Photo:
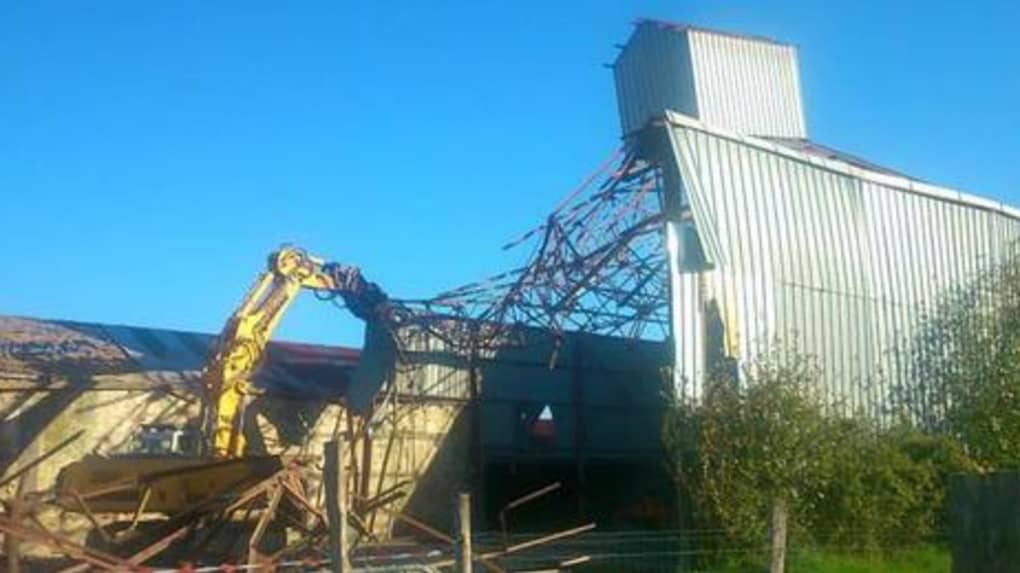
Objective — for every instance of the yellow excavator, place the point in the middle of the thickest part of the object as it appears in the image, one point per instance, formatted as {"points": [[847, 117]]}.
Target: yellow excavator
{"points": [[243, 342], [160, 476]]}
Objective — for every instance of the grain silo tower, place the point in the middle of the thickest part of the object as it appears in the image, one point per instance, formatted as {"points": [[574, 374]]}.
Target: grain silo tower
{"points": [[746, 84]]}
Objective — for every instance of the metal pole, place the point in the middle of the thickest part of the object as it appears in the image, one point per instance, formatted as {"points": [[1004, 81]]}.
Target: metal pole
{"points": [[336, 505], [464, 533]]}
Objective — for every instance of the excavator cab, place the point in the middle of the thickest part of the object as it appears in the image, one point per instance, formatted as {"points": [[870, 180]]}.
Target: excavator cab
{"points": [[166, 440]]}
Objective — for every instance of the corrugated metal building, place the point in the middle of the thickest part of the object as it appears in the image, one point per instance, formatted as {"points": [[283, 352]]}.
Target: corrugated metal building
{"points": [[774, 236], [59, 377]]}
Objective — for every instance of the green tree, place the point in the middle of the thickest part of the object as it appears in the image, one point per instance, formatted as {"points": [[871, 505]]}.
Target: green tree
{"points": [[964, 367], [846, 480], [749, 444]]}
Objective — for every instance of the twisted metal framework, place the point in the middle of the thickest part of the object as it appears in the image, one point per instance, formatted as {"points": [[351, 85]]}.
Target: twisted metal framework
{"points": [[598, 263]]}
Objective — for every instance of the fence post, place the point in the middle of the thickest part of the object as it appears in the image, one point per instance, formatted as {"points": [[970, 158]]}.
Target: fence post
{"points": [[777, 536], [12, 545], [463, 547], [336, 504]]}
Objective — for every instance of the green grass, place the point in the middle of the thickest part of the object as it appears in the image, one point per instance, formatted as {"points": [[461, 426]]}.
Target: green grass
{"points": [[924, 559]]}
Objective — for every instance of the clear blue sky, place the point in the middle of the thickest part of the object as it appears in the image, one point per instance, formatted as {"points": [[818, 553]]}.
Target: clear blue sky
{"points": [[152, 153]]}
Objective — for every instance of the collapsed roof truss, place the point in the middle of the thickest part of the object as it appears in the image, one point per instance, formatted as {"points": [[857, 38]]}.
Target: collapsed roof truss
{"points": [[597, 262]]}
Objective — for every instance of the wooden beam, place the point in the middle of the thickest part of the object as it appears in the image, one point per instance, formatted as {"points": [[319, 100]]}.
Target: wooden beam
{"points": [[777, 537], [336, 504], [254, 558], [12, 544], [463, 546]]}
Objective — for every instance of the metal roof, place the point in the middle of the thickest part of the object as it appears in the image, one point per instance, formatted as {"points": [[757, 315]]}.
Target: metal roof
{"points": [[819, 150], [133, 357], [685, 26], [841, 165]]}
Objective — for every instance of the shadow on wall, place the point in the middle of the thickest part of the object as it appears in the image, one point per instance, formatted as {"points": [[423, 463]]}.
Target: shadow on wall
{"points": [[446, 474], [65, 358], [291, 422], [20, 427], [110, 379]]}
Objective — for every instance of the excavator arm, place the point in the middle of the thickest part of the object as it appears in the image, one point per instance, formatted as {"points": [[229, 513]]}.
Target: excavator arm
{"points": [[241, 346], [169, 483]]}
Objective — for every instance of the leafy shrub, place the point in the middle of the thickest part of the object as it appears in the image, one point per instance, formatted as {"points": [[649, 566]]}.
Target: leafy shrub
{"points": [[846, 481], [744, 446], [964, 362], [883, 487]]}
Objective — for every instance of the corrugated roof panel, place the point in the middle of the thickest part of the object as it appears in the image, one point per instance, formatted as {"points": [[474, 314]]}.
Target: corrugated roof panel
{"points": [[817, 149], [77, 351]]}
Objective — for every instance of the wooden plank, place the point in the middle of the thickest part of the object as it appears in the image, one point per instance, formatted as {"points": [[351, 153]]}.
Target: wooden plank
{"points": [[463, 547], [12, 544], [777, 537], [254, 559], [336, 504]]}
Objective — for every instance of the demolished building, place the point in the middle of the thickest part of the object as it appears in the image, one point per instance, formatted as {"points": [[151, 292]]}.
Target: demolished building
{"points": [[501, 424], [718, 228]]}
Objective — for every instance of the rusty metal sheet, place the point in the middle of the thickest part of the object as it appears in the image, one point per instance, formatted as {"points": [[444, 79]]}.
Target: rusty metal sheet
{"points": [[93, 353]]}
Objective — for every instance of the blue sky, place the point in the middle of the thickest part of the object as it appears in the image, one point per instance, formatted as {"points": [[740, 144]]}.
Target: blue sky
{"points": [[152, 153]]}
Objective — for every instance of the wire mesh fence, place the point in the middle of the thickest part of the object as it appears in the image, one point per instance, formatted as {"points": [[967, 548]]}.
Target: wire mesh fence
{"points": [[702, 551], [651, 551]]}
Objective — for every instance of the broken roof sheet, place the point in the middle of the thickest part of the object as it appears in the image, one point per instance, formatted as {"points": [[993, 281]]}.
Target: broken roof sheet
{"points": [[818, 150], [84, 353]]}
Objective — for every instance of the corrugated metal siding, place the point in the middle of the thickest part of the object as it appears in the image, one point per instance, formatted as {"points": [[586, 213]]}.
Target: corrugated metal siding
{"points": [[431, 368], [836, 261], [604, 393], [747, 85], [652, 75]]}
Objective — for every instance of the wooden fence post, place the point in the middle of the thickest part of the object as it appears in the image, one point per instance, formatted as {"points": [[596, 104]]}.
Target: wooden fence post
{"points": [[777, 536], [12, 545], [336, 504], [463, 547]]}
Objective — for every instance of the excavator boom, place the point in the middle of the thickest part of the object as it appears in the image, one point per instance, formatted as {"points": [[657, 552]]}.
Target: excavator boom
{"points": [[228, 375], [171, 481]]}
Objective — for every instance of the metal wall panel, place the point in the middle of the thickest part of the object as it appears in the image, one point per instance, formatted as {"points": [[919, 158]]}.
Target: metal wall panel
{"points": [[836, 261], [652, 74], [605, 393], [746, 84]]}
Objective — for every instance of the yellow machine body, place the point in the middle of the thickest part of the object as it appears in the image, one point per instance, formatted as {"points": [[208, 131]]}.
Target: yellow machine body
{"points": [[155, 484]]}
